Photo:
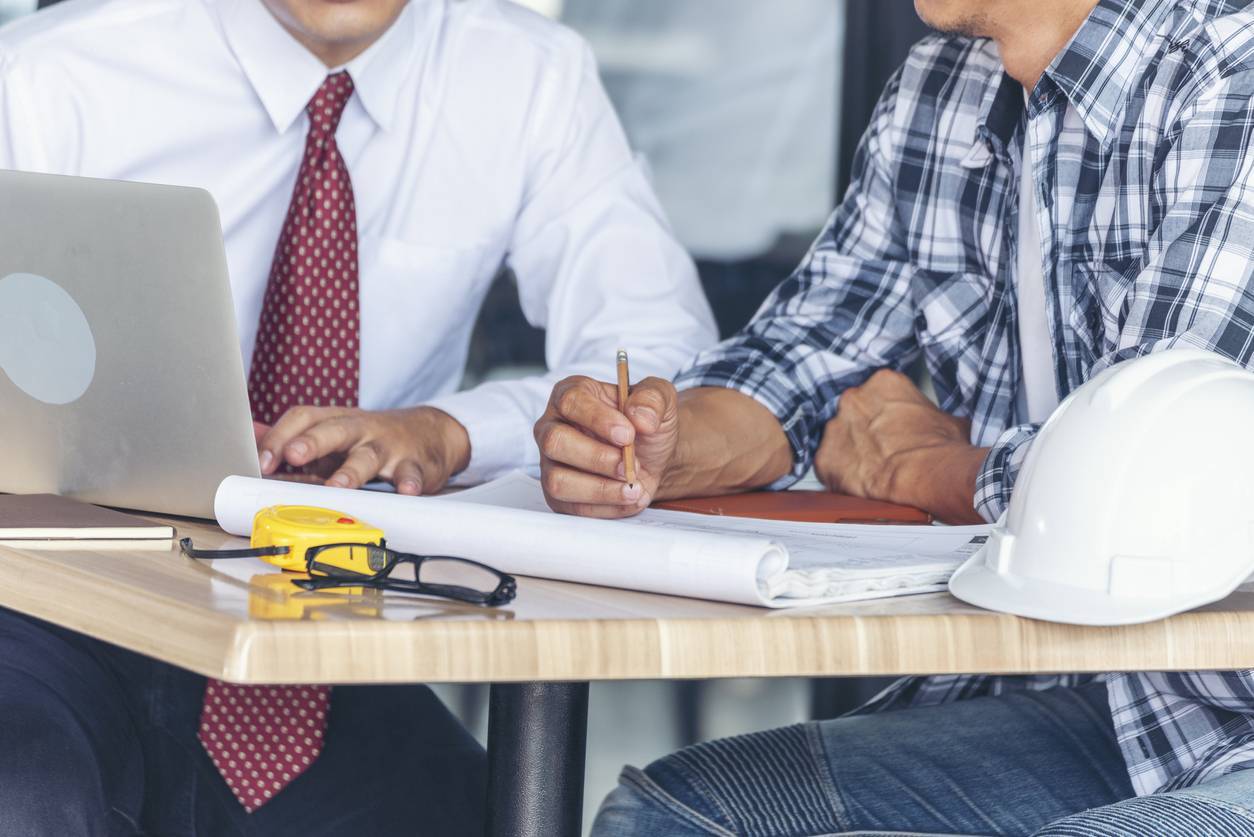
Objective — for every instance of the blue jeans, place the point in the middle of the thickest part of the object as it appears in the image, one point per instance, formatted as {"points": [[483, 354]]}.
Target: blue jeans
{"points": [[98, 742], [1043, 763]]}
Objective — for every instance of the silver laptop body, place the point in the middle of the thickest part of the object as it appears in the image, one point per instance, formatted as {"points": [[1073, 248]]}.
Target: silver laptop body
{"points": [[121, 381]]}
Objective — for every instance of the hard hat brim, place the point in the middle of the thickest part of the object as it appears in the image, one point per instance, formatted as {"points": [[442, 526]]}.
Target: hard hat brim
{"points": [[977, 583]]}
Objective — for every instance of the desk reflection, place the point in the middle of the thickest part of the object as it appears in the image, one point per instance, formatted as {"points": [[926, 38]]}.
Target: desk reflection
{"points": [[273, 596]]}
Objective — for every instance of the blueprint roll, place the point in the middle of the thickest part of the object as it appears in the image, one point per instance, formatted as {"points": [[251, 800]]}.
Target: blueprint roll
{"points": [[531, 541]]}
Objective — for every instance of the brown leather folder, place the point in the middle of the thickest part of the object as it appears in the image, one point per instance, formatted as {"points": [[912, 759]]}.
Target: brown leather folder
{"points": [[800, 506]]}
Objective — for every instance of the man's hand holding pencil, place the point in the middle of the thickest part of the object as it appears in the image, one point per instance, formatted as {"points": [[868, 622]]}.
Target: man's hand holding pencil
{"points": [[588, 436]]}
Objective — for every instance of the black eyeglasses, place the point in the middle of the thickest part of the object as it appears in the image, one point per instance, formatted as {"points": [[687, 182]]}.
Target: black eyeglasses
{"points": [[371, 565], [460, 579]]}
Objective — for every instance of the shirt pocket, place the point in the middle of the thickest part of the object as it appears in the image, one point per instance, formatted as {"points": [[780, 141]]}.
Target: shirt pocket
{"points": [[445, 281], [419, 303], [950, 309]]}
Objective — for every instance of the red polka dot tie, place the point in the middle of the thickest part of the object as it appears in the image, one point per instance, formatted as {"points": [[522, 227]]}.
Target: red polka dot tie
{"points": [[308, 338], [262, 737]]}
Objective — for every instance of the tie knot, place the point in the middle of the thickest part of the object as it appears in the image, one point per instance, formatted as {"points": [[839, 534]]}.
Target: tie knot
{"points": [[327, 105]]}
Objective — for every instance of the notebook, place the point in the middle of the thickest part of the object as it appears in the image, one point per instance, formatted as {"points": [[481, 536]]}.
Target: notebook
{"points": [[51, 517], [767, 563]]}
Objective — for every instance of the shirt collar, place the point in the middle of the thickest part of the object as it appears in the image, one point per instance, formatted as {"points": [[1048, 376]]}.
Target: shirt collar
{"points": [[999, 115], [286, 76], [1096, 70]]}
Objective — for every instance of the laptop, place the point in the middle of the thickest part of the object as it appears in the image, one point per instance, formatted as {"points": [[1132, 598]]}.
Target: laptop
{"points": [[121, 380]]}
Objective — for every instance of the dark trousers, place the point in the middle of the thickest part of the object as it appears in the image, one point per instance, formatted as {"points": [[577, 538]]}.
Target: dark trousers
{"points": [[95, 740]]}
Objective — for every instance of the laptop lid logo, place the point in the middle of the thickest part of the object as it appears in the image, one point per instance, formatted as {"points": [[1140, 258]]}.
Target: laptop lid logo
{"points": [[46, 346]]}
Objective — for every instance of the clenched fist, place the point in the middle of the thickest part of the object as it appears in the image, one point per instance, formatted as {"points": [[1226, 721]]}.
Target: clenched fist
{"points": [[889, 442]]}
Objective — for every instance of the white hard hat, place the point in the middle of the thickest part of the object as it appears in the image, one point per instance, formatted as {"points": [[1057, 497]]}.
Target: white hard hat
{"points": [[1135, 501]]}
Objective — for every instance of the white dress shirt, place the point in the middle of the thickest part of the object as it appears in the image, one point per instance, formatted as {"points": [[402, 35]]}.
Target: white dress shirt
{"points": [[479, 135]]}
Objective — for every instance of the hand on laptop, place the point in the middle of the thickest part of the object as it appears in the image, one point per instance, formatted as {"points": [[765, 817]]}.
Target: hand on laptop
{"points": [[417, 449], [889, 442], [581, 436]]}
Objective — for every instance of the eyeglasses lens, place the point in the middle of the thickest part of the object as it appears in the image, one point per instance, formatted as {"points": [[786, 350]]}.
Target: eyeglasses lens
{"points": [[349, 560], [454, 573]]}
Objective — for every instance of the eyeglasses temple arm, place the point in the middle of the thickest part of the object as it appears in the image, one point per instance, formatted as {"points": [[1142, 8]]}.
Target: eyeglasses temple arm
{"points": [[261, 552]]}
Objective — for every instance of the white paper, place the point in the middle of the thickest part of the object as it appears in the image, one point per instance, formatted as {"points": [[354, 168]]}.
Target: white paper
{"points": [[827, 562], [507, 524]]}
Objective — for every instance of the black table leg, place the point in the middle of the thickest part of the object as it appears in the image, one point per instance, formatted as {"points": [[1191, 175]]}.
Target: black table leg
{"points": [[537, 734]]}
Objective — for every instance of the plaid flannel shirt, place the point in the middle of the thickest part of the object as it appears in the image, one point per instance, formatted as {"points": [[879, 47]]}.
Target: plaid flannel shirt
{"points": [[1141, 136]]}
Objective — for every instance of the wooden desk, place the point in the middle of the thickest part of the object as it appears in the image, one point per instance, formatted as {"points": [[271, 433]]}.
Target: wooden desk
{"points": [[224, 620]]}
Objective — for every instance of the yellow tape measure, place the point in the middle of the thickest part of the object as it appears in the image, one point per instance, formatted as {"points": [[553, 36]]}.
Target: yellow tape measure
{"points": [[300, 527]]}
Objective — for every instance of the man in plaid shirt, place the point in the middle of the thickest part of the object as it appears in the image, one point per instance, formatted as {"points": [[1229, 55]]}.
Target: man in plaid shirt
{"points": [[1049, 188]]}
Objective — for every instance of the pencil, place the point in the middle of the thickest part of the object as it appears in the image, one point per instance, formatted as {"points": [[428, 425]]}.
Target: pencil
{"points": [[624, 387]]}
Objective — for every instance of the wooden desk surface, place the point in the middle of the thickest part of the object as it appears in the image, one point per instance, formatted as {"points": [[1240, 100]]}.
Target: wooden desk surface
{"points": [[241, 622]]}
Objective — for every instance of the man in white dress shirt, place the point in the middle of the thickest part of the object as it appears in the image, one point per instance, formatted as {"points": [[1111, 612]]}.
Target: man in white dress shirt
{"points": [[375, 163], [478, 135]]}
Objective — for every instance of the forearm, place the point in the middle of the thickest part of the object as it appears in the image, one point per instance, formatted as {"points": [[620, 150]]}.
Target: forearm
{"points": [[728, 442]]}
